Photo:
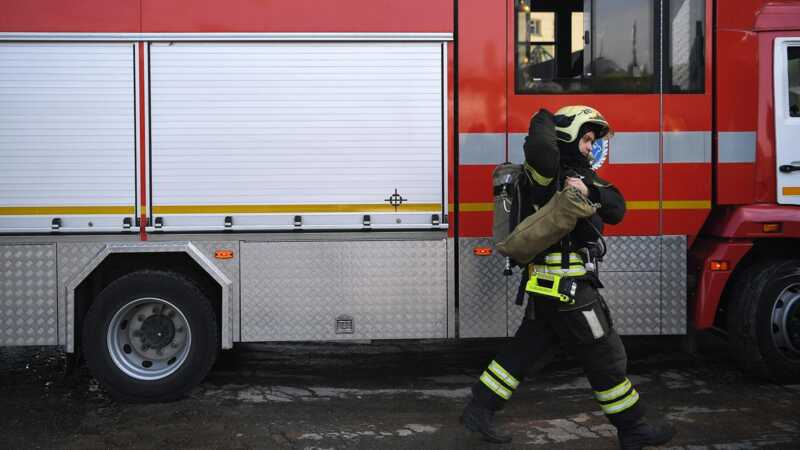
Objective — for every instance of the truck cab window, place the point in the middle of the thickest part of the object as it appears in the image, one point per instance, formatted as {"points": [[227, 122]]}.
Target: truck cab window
{"points": [[793, 65], [684, 46], [585, 46]]}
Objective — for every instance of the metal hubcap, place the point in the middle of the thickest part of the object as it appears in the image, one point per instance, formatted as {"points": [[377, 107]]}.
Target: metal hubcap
{"points": [[157, 331], [786, 321], [149, 338]]}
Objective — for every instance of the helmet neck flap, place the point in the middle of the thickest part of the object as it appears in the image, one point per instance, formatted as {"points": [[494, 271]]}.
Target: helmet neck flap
{"points": [[571, 155]]}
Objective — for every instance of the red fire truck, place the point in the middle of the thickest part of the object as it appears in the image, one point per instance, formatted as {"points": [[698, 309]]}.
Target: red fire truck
{"points": [[180, 176]]}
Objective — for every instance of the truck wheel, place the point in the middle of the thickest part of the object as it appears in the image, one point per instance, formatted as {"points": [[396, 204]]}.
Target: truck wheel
{"points": [[764, 320], [150, 336]]}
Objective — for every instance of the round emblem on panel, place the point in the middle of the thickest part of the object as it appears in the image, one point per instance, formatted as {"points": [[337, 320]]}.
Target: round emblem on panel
{"points": [[599, 153]]}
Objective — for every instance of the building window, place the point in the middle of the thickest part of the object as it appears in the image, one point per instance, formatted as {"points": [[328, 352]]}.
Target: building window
{"points": [[536, 27], [684, 43], [793, 65], [540, 51], [585, 46]]}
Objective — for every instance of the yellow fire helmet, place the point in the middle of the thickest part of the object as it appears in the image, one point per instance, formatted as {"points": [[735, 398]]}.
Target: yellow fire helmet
{"points": [[570, 119]]}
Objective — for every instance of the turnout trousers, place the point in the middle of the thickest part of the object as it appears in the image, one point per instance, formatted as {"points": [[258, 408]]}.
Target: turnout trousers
{"points": [[586, 330]]}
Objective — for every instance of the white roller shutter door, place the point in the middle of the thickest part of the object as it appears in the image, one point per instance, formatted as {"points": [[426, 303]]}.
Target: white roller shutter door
{"points": [[67, 136], [264, 132]]}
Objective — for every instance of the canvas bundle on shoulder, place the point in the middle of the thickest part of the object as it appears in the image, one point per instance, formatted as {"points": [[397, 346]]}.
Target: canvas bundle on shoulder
{"points": [[546, 226], [505, 184]]}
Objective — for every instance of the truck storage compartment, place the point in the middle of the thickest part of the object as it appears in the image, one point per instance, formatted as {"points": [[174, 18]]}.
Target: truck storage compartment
{"points": [[333, 290], [67, 137], [284, 135]]}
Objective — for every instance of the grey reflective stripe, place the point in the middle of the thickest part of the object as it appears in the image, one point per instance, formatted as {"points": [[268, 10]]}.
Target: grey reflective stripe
{"points": [[481, 148], [625, 147], [687, 147], [515, 152], [633, 148], [594, 324], [737, 146]]}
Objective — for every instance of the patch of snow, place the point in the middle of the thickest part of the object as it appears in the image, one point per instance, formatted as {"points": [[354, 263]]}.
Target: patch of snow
{"points": [[563, 430], [421, 428], [312, 436], [682, 413]]}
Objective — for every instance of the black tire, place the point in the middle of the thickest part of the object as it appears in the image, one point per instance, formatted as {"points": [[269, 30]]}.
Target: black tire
{"points": [[763, 320], [171, 301]]}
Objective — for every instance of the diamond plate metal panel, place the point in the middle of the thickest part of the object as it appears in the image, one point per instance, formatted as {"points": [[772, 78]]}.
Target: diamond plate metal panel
{"points": [[515, 312], [230, 267], [482, 291], [451, 288], [632, 254], [632, 273], [673, 285], [634, 300], [28, 295], [298, 290], [72, 259]]}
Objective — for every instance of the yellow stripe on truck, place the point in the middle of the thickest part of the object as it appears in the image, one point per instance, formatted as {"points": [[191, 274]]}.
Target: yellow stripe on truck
{"points": [[635, 205], [687, 204], [65, 210], [432, 208], [476, 207], [639, 205]]}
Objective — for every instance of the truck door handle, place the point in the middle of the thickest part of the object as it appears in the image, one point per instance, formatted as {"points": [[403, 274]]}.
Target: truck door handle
{"points": [[789, 168]]}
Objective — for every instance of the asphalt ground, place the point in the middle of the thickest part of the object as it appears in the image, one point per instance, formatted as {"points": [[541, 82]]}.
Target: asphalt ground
{"points": [[397, 395]]}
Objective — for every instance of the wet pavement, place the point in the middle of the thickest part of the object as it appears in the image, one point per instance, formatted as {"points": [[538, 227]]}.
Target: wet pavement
{"points": [[403, 395]]}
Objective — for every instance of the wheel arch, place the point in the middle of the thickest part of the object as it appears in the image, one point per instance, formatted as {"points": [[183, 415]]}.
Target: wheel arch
{"points": [[749, 316], [763, 250], [115, 260]]}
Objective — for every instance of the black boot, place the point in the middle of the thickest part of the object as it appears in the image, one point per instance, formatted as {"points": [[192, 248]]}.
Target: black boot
{"points": [[644, 434], [481, 420]]}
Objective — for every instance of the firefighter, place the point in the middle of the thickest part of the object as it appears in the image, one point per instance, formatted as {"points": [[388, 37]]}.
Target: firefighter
{"points": [[558, 155]]}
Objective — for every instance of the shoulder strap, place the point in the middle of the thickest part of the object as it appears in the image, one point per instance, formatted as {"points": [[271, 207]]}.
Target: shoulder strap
{"points": [[599, 182], [565, 241]]}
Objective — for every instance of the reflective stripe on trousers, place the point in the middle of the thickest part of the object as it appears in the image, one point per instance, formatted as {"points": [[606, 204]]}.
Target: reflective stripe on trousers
{"points": [[500, 381], [617, 399]]}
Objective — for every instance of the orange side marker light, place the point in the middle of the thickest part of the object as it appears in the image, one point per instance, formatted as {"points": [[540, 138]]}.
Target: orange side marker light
{"points": [[718, 266], [771, 227], [223, 254], [482, 251]]}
